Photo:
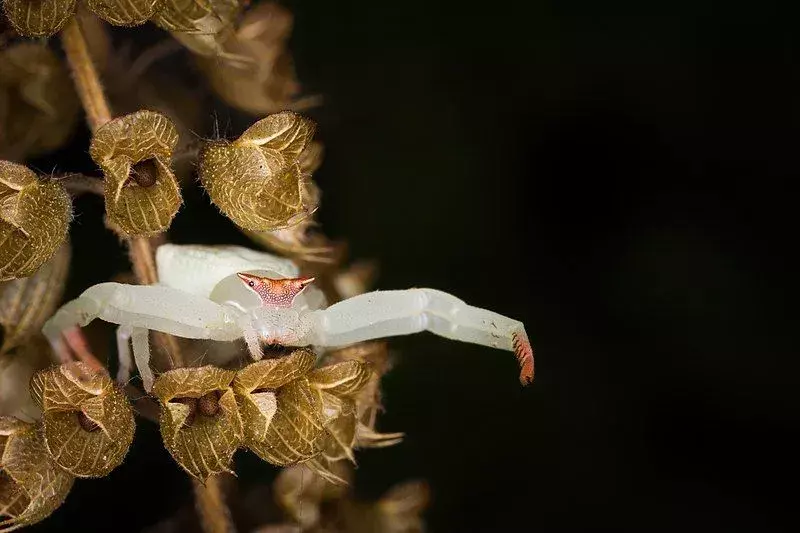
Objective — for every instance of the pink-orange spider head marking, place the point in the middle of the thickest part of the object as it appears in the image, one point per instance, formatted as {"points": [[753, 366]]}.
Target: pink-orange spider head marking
{"points": [[275, 292]]}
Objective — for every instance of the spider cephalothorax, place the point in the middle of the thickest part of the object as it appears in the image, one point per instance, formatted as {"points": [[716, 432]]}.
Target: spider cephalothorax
{"points": [[275, 292], [225, 293]]}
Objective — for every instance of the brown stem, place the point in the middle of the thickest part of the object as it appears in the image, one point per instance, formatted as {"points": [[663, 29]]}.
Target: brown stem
{"points": [[211, 507], [84, 73], [210, 500]]}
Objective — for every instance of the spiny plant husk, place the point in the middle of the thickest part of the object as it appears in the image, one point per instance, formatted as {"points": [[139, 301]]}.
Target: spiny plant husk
{"points": [[32, 486], [88, 424], [257, 180], [38, 18], [119, 145], [202, 445], [26, 303], [282, 413], [34, 218], [38, 106]]}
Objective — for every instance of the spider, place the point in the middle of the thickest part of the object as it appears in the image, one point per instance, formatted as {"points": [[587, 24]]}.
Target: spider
{"points": [[225, 293]]}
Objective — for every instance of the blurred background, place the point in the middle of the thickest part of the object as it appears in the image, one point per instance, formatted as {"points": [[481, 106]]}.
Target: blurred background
{"points": [[614, 174]]}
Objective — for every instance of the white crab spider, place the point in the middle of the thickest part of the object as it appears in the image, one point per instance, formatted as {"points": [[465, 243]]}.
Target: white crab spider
{"points": [[224, 293]]}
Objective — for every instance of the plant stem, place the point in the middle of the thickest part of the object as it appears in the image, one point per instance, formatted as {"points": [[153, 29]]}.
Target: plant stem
{"points": [[84, 73], [210, 500], [214, 514]]}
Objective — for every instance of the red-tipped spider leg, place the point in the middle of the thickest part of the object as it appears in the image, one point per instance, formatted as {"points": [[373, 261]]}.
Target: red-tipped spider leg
{"points": [[524, 353]]}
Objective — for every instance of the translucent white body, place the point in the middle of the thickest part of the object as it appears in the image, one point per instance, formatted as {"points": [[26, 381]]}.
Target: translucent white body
{"points": [[200, 297]]}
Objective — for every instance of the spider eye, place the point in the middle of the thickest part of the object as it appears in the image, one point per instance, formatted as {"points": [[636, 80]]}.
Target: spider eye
{"points": [[251, 283]]}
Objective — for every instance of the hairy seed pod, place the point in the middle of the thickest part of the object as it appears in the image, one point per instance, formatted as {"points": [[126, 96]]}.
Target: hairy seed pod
{"points": [[38, 105], [281, 412], [34, 218], [38, 18], [17, 367], [202, 26], [200, 422], [32, 486], [337, 386], [259, 77], [257, 180], [87, 421], [26, 303], [135, 152], [300, 492], [125, 12]]}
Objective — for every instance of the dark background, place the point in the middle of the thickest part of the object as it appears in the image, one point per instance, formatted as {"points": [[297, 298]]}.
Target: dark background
{"points": [[614, 174]]}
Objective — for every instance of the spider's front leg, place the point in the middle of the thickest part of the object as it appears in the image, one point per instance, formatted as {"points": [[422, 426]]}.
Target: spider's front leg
{"points": [[390, 313], [139, 308]]}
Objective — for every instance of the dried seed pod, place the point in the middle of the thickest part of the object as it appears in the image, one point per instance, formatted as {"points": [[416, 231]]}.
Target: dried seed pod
{"points": [[189, 15], [261, 79], [32, 486], [38, 105], [87, 421], [26, 303], [135, 152], [281, 412], [200, 421], [17, 367], [203, 26], [368, 399], [300, 492], [34, 218], [38, 18], [125, 12], [337, 385], [343, 379], [257, 180]]}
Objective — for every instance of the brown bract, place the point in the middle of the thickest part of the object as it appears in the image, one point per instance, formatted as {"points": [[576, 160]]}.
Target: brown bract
{"points": [[32, 486], [281, 412], [257, 180], [38, 106], [135, 152], [38, 18], [200, 421], [34, 218], [259, 76], [87, 421], [26, 303]]}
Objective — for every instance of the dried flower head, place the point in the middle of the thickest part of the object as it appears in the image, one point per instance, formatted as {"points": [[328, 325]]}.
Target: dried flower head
{"points": [[125, 12], [87, 421], [281, 412], [135, 152], [257, 180], [17, 367], [318, 506], [34, 217], [32, 486], [301, 493], [200, 421], [260, 76], [202, 26], [38, 106], [38, 18], [26, 303]]}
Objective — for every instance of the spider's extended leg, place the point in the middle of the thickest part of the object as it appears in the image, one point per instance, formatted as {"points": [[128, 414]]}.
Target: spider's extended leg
{"points": [[389, 313], [141, 354], [140, 308]]}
